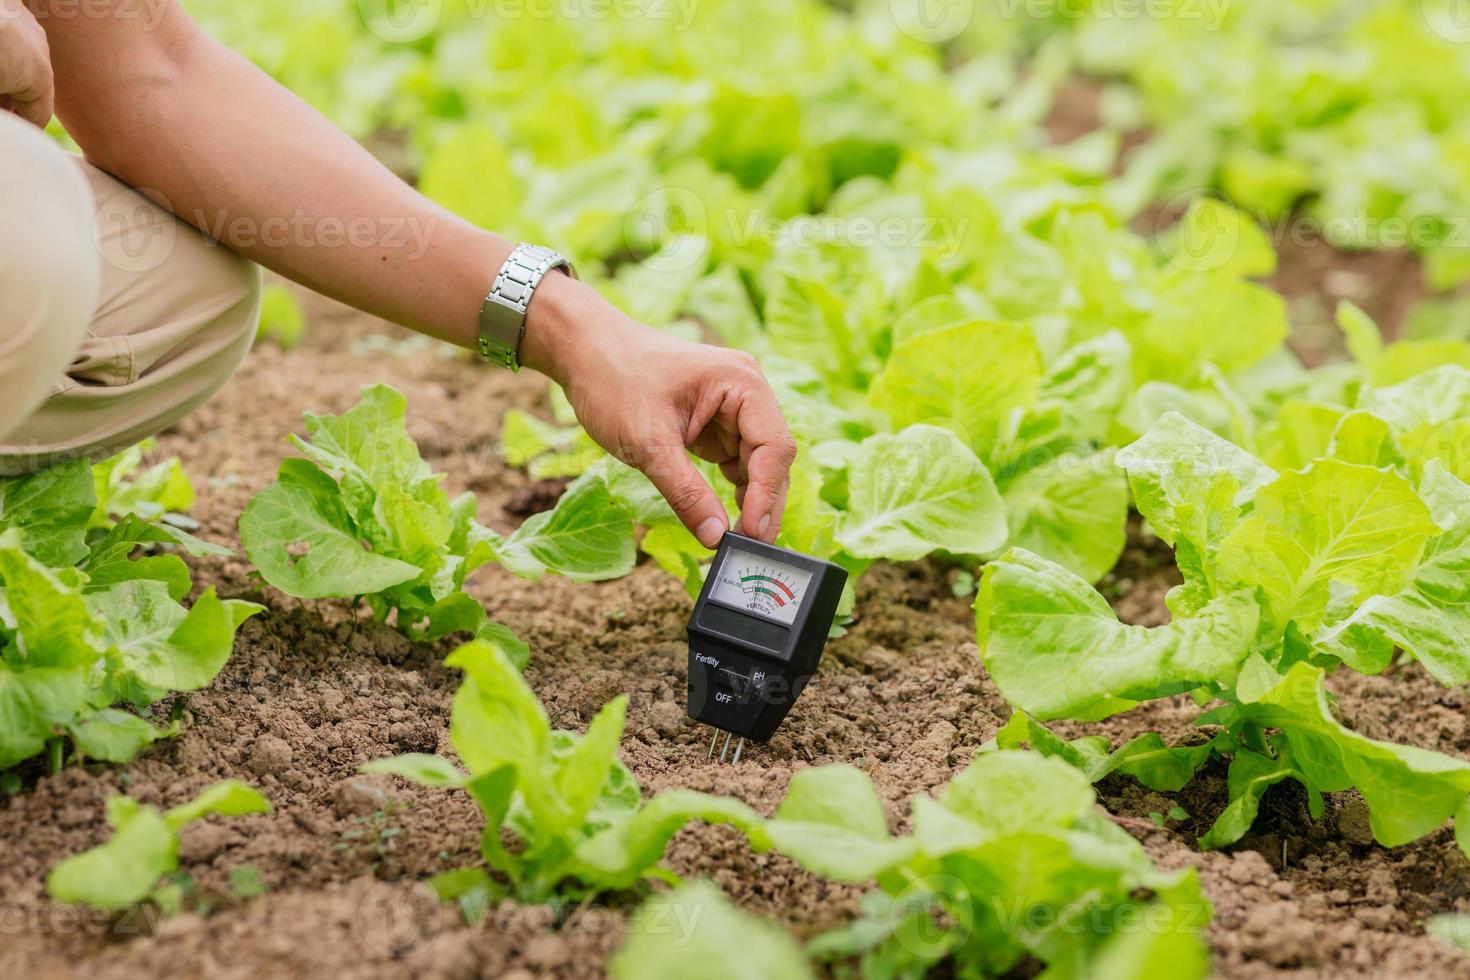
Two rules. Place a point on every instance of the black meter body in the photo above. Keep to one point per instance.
(757, 633)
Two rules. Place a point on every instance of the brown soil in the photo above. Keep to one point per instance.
(312, 693)
(1315, 276)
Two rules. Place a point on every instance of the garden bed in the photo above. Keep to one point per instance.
(311, 694)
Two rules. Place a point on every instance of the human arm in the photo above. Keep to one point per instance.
(170, 111)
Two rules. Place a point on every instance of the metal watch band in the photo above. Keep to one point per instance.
(503, 317)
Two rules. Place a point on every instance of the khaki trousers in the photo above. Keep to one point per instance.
(116, 318)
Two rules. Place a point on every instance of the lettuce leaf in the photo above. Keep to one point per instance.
(144, 847)
(364, 515)
(932, 379)
(574, 808)
(1287, 576)
(1056, 650)
(717, 941)
(1428, 617)
(1013, 833)
(916, 492)
(87, 623)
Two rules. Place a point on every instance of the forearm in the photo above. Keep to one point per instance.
(172, 113)
(245, 161)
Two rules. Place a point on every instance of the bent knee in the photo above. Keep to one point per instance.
(173, 290)
(49, 277)
(220, 309)
(225, 286)
(46, 254)
(240, 323)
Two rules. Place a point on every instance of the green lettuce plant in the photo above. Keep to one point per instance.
(282, 320)
(694, 930)
(364, 516)
(1012, 867)
(144, 848)
(1012, 863)
(564, 820)
(91, 618)
(579, 823)
(1366, 148)
(159, 492)
(1288, 576)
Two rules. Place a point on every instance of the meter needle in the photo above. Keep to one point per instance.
(712, 740)
(739, 747)
(724, 748)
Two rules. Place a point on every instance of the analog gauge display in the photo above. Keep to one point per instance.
(759, 585)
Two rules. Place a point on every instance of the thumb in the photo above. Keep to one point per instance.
(37, 112)
(688, 493)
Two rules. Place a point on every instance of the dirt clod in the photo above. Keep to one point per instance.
(358, 796)
(271, 755)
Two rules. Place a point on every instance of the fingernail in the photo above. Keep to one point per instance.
(709, 533)
(763, 526)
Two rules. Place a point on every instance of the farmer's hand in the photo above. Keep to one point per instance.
(645, 397)
(25, 65)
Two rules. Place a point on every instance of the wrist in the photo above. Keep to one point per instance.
(565, 323)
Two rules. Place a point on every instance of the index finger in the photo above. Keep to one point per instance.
(767, 452)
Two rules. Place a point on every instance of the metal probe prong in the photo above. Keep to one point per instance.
(724, 748)
(714, 737)
(739, 747)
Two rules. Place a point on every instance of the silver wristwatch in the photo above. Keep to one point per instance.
(503, 317)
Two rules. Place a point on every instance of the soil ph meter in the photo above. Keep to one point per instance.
(756, 636)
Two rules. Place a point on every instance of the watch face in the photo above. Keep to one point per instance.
(769, 589)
